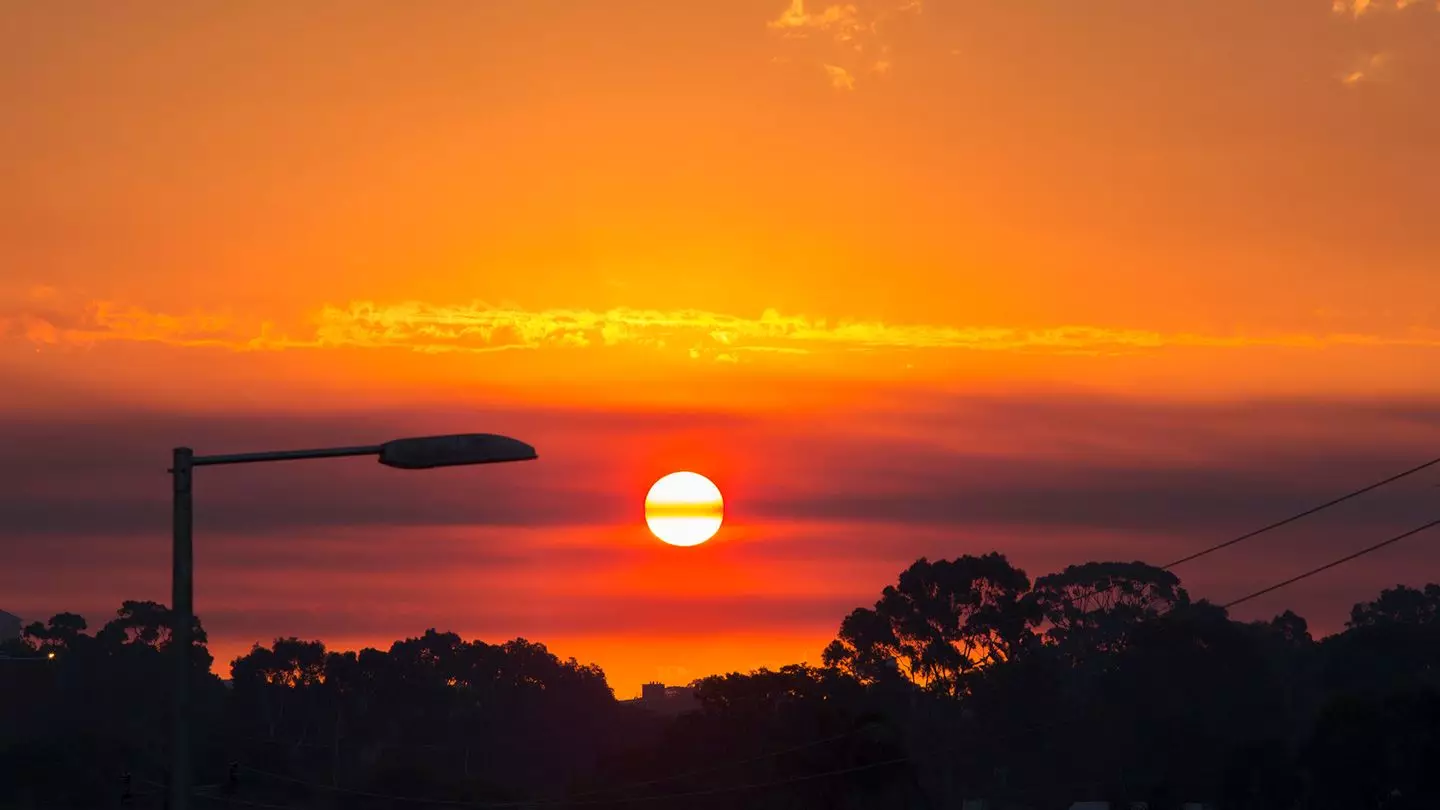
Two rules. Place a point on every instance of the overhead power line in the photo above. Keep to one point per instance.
(1270, 589)
(1327, 566)
(1307, 513)
(1071, 600)
(571, 801)
(580, 800)
(1026, 728)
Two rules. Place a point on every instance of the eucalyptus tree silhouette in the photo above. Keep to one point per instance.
(942, 622)
(1101, 681)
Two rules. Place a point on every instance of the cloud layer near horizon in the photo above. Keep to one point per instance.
(860, 36)
(480, 327)
(817, 523)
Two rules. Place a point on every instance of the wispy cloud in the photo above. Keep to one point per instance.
(840, 78)
(849, 37)
(843, 22)
(479, 328)
(833, 498)
(1359, 8)
(1370, 69)
(106, 321)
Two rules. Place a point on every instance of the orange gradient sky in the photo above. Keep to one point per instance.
(1068, 280)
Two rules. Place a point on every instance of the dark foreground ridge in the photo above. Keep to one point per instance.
(964, 682)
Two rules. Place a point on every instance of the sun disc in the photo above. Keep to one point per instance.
(684, 509)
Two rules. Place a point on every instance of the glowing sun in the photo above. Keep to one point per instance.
(684, 509)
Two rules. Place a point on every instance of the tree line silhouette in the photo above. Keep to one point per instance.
(964, 680)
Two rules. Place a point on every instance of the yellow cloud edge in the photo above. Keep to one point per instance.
(479, 328)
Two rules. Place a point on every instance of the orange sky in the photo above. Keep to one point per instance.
(1063, 279)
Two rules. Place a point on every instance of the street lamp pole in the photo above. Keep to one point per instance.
(407, 454)
(182, 591)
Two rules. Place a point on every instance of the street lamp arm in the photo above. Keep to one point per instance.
(285, 455)
(416, 453)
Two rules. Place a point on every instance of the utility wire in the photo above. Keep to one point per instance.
(1015, 732)
(808, 777)
(1023, 728)
(1307, 513)
(1071, 600)
(1327, 566)
(1189, 558)
(571, 801)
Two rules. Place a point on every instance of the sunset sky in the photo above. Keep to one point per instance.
(1067, 280)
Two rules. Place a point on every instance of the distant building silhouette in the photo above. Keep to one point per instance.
(9, 626)
(666, 700)
(23, 678)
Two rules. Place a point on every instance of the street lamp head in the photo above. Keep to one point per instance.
(426, 452)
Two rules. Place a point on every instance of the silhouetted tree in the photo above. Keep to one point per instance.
(1090, 610)
(1372, 753)
(103, 709)
(1390, 644)
(942, 622)
(1399, 605)
(64, 631)
(1103, 681)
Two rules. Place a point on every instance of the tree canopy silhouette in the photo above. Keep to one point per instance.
(942, 621)
(964, 679)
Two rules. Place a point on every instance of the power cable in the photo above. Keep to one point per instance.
(1327, 566)
(1307, 513)
(1191, 557)
(1071, 600)
(572, 802)
(1286, 583)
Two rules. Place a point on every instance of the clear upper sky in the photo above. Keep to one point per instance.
(1070, 280)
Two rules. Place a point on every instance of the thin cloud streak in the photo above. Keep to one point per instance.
(840, 21)
(854, 34)
(1360, 8)
(481, 328)
(840, 78)
(1089, 463)
(1373, 68)
(829, 515)
(620, 616)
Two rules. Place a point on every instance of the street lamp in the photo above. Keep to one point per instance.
(421, 453)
